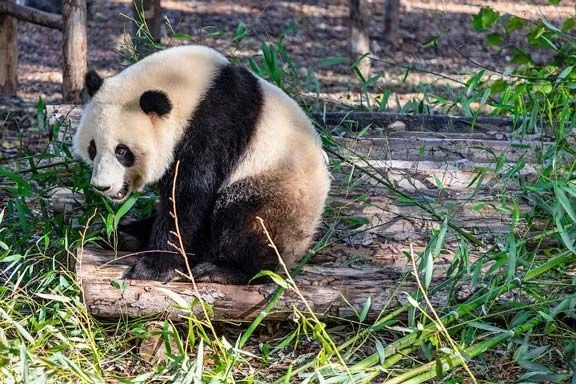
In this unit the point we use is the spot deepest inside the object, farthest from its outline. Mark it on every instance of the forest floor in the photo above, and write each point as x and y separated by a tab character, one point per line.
321	32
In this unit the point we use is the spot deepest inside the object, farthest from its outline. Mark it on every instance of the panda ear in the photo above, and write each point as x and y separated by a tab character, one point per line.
156	102
92	82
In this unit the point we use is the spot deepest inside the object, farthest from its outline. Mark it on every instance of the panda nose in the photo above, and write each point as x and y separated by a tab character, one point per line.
101	188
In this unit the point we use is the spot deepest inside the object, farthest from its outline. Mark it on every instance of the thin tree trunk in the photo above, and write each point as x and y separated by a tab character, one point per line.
359	34
8	56
391	20
75	47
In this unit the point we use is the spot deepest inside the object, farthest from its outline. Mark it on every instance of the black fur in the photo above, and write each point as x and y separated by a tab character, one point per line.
156	102
92	150
92	82
239	247
125	155
217	137
139	229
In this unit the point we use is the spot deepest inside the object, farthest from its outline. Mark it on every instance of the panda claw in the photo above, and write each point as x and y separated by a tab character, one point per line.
211	273
152	267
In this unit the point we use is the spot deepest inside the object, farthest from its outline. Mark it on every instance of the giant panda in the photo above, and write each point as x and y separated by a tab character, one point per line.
245	151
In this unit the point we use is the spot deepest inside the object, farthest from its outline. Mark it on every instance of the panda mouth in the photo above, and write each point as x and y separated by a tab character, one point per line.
121	194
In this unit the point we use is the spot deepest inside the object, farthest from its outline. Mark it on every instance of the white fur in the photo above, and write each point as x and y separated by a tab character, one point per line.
285	139
286	142
114	116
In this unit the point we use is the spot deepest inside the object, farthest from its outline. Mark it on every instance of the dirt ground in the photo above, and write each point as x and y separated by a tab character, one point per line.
322	31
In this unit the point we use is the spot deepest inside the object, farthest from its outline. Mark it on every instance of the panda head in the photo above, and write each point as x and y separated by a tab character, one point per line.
123	136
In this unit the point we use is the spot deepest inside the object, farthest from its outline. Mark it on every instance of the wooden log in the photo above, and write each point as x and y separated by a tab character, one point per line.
32	15
440	150
360	35
75	49
418	122
331	291
433	180
382	123
367	260
8	52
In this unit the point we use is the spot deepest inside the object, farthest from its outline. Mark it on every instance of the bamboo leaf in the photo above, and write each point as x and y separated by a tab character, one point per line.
276	278
564	202
123	210
365	309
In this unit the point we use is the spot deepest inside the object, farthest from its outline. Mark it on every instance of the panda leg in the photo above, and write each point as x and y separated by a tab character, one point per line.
239	247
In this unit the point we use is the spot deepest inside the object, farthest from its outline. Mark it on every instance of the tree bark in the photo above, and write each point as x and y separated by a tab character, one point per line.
150	13
75	48
392	20
8	54
31	15
360	35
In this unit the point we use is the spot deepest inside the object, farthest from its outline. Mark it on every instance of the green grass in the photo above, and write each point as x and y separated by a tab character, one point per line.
519	316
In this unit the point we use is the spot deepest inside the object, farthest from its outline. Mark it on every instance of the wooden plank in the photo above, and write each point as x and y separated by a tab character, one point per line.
330	291
383	123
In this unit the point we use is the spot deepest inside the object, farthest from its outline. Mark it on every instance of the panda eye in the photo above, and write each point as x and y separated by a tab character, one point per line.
92	150
124	155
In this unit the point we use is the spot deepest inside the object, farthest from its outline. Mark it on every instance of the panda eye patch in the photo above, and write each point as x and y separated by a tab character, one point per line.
92	150
124	155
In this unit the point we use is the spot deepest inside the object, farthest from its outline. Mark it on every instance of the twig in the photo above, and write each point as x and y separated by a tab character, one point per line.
182	251
457	349
295	288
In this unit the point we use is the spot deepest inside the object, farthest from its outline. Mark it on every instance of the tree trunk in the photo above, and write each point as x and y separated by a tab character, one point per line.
148	29
391	20
75	47
8	56
359	34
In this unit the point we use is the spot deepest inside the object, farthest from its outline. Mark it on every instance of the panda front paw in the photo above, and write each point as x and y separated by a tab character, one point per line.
211	273
155	266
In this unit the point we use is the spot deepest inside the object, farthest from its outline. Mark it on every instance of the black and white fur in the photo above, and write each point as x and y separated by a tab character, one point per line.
245	150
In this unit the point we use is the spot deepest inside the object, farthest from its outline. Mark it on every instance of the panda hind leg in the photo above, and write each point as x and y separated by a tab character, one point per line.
239	247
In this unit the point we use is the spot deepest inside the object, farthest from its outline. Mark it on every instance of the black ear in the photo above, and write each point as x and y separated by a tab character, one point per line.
156	102
93	82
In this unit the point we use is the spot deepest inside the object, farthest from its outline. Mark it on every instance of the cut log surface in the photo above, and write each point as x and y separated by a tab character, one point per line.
469	172
336	292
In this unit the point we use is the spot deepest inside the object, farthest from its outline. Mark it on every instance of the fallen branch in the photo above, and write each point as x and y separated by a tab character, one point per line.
35	16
